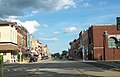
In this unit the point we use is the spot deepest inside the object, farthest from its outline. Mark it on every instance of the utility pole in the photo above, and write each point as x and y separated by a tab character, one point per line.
21	46
20	53
105	34
83	52
1	65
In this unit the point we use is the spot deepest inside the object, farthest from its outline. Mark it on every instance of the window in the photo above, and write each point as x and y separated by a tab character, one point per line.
11	35
112	42
4	53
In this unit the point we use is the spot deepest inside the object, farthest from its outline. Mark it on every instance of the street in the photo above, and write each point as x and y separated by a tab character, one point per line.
62	68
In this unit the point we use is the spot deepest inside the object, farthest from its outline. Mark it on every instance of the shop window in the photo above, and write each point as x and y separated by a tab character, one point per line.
4	53
112	42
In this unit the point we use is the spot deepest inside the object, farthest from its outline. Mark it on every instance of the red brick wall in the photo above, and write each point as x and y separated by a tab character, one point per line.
98	42
98	54
113	54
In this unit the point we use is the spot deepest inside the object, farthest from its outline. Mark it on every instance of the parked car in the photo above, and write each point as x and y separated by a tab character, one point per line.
60	57
46	57
70	58
33	59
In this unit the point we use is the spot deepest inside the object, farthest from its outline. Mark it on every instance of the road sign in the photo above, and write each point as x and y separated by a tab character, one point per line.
1	65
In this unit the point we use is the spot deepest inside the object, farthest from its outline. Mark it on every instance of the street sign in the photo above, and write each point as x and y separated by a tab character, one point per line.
1	65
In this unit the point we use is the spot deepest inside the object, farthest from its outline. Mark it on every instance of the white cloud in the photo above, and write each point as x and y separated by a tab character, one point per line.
86	5
49	39
28	14
31	26
102	2
71	29
18	7
45	25
56	33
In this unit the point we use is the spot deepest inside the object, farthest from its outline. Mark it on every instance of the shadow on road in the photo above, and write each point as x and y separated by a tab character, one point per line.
100	65
54	74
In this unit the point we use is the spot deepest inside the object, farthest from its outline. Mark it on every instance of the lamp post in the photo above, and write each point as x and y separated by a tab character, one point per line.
20	53
21	46
104	44
83	51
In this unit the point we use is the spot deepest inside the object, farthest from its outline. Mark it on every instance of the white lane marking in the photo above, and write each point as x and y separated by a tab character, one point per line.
32	70
47	69
8	70
14	69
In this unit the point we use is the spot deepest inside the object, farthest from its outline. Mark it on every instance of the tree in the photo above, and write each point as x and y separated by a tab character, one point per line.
118	43
56	55
64	53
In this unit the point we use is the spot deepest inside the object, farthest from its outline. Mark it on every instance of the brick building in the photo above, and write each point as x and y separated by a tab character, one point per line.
102	42
22	42
74	48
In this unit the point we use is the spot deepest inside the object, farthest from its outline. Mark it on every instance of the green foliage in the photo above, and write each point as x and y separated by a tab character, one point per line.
64	53
118	43
18	56
56	55
0	57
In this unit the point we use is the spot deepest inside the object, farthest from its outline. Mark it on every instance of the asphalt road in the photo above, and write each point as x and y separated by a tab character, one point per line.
61	69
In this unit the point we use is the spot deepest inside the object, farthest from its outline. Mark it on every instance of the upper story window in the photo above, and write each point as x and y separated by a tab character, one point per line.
112	42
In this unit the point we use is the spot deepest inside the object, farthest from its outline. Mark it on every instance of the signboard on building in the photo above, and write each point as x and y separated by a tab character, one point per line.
28	40
118	23
1	65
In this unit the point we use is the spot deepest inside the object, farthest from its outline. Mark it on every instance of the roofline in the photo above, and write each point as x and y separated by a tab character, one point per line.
103	24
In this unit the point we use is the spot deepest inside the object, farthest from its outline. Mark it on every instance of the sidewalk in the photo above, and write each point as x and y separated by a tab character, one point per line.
104	73
112	72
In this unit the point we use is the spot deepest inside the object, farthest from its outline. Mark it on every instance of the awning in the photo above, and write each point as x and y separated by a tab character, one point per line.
9	46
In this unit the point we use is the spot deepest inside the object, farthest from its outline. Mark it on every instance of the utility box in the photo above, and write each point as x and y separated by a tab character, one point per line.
1	65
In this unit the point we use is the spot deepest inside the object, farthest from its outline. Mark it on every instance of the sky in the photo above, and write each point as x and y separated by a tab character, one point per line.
58	22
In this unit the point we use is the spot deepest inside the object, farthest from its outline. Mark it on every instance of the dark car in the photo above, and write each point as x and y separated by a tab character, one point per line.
33	59
60	57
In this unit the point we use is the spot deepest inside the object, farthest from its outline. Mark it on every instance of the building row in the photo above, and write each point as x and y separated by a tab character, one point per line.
16	44
99	42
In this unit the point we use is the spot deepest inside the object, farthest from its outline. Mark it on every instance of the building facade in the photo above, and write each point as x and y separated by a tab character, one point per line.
102	42
8	41
22	42
83	35
74	49
99	42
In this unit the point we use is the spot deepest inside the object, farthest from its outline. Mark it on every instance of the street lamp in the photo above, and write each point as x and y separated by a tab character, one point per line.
104	44
20	53
21	46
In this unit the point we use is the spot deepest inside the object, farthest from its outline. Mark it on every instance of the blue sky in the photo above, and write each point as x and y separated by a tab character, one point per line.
58	22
